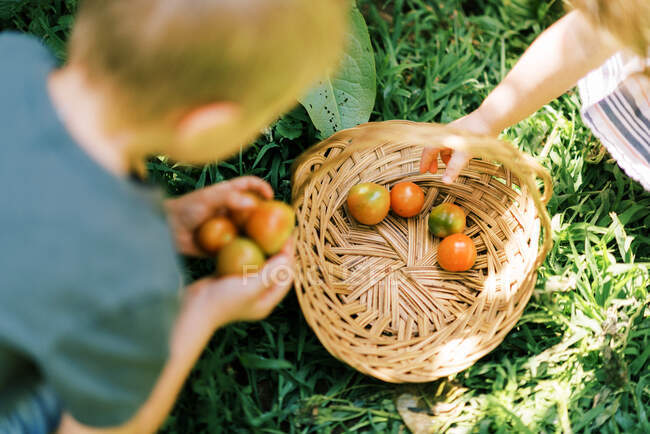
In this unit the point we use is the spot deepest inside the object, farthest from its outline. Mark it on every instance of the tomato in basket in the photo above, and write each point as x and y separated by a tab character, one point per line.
445	156
446	219
368	203
406	199
456	253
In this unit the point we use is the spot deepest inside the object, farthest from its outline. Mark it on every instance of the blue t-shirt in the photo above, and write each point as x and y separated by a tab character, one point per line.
89	278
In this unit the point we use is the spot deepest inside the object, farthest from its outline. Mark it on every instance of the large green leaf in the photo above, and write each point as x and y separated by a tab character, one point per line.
346	98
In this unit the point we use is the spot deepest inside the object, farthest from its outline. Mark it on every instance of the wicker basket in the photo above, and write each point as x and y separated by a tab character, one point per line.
375	295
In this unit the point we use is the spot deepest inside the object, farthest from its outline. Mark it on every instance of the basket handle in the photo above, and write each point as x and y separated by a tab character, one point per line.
541	199
540	172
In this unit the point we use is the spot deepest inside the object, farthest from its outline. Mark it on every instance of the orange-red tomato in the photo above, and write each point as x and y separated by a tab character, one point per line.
240	256
445	156
240	217
215	233
406	199
456	253
368	203
270	225
446	219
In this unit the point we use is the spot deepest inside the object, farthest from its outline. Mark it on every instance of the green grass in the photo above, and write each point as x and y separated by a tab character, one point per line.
578	360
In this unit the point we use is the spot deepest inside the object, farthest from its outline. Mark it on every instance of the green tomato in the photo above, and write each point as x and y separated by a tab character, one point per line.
368	203
241	256
446	219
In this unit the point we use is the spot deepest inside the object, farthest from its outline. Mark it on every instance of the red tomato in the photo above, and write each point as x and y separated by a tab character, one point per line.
445	156
240	256
406	199
240	218
446	219
215	233
368	203
270	225
456	253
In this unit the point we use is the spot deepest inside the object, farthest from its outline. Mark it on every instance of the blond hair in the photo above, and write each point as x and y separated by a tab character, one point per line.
160	59
628	21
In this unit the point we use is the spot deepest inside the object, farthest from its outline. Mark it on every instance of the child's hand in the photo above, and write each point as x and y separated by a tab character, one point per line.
472	123
188	212
245	298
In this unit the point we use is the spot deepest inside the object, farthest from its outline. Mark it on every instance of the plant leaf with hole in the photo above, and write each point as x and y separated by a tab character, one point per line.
346	98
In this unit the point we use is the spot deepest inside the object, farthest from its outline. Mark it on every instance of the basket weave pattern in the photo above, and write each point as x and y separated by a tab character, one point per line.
374	295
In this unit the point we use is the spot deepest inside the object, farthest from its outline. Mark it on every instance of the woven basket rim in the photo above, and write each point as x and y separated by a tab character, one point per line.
524	168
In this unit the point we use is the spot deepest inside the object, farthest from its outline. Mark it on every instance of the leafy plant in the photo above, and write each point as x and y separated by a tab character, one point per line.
346	98
51	21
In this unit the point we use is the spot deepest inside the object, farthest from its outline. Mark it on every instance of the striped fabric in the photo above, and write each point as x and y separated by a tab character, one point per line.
37	411
616	106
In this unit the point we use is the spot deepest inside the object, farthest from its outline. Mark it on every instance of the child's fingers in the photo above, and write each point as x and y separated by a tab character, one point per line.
280	277
266	288
254	184
278	267
275	270
237	200
274	295
228	193
429	160
289	247
457	163
279	270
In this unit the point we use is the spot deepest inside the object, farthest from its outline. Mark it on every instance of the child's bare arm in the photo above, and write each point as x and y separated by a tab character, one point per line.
556	60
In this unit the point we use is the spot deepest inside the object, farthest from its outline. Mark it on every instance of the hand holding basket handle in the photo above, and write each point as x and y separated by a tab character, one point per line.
458	160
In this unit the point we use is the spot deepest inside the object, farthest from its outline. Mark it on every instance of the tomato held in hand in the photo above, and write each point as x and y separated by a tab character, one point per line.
456	253
240	256
215	233
368	203
406	199
446	219
270	225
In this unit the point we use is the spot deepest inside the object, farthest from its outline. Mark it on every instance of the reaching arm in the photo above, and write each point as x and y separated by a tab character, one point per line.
556	60
554	63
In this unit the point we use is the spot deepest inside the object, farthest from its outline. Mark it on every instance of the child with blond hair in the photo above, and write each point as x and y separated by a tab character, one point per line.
603	47
97	330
